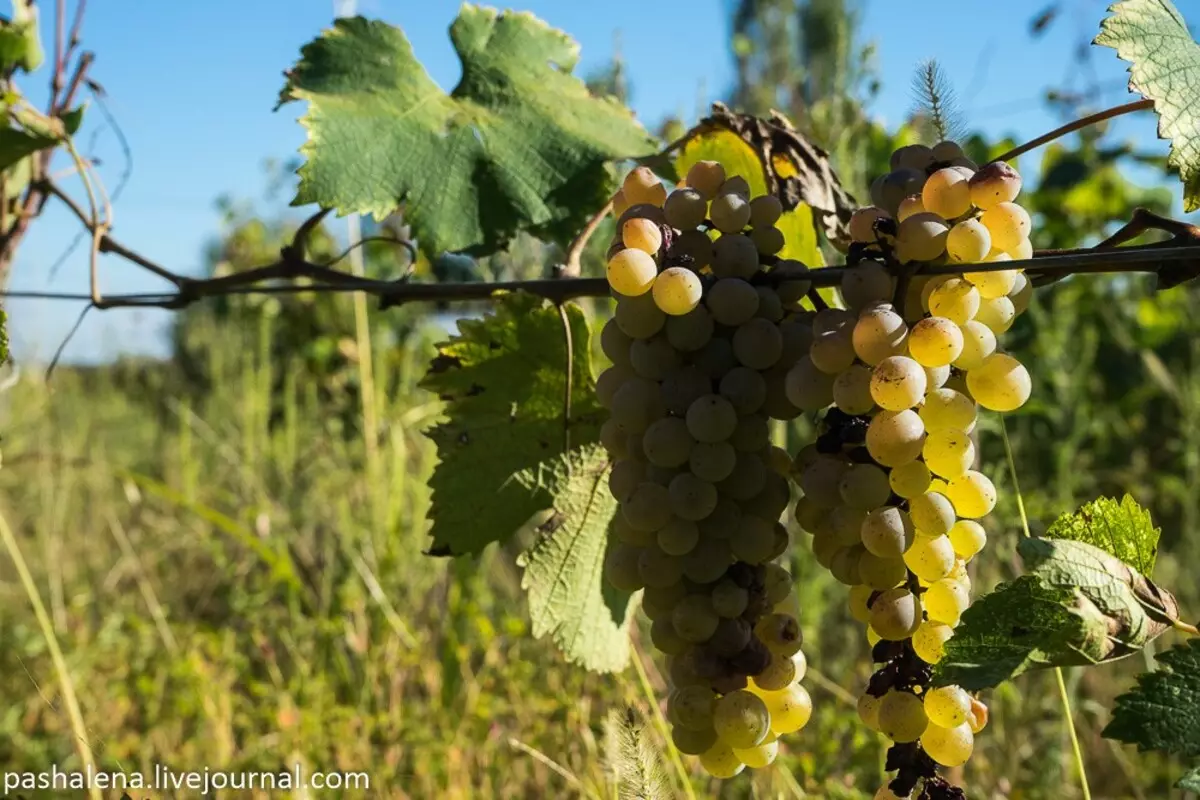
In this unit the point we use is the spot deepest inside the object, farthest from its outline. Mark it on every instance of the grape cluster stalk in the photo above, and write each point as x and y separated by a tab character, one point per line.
707	326
890	493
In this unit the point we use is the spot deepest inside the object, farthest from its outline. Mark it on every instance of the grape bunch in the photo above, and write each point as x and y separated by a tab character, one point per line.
707	325
890	493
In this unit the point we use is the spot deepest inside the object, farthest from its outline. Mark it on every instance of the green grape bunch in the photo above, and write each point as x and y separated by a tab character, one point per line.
706	328
891	493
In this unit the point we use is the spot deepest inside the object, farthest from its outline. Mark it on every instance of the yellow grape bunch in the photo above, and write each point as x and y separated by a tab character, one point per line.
892	493
707	325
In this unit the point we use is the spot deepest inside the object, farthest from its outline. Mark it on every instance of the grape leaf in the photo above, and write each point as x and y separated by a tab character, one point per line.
1021	625
20	42
503	379
1164	67
518	145
1163	711
568	598
1122	529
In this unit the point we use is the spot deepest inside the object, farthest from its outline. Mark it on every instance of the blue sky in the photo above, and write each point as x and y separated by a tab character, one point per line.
192	85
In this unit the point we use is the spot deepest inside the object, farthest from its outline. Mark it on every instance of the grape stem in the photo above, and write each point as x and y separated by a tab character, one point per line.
1071	127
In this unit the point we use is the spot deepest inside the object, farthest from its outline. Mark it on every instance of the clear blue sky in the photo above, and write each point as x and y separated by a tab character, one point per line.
193	84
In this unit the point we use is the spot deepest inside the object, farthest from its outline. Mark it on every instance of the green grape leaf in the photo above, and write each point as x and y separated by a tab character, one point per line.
1164	66
1122	529
519	144
504	379
1021	625
1163	711
1136	609
568	597
1190	782
16	143
20	41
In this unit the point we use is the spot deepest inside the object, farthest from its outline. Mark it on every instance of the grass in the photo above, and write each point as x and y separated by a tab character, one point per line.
235	580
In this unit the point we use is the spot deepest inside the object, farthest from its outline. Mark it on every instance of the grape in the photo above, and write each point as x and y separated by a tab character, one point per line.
807	387
636	404
734	256
946	409
928	287
708	560
979	716
868	710
723	520
887	532
936	377
685	208
706	178
946	151
658	568
683	387
947	706
945	600
625	476
614	343
910	480
752	433
653	358
950	747
728	599
744	388
768	241
642	234
864	486
910	206
831	319
832	351
1023	250
765	211
896	614
641	185
691	498
947	193
895	437
780	673
631	272
692	707
619	204
711	418
897	383
648	507
630	535
712	461
715	358
762	755
862	223
621	567
731	637
968	538
1008	223
932	514
902	716
860	594
747	479
758	343
780	633
844	565
921	237
821	478
771	501
895	186
852	390
878	334
792	282
729	212
741	719
993	284
808	514
678	537
881	573
797	337
956	299
665	639
789	709
1021	294
769	305
677	291
930	558
935	342
694	245
691	331
845	524
694	618
968	242
997	314
614	438
639	317
972	494
978	343
912	156
732	301
1000	383
609	381
929	642
866	283
691	742
721	762
736	184
754	540
948	453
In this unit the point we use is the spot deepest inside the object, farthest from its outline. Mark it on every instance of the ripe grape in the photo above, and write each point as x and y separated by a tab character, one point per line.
757	343
706	178
721	762
832	351
902	716
896	614
730	213
653	358
921	237
732	301
665	639
864	486
639	317
688	332
968	538
887	532
858	596
641	185
621	567
762	755
910	480
754	540
993	184
736	184
707	561
868	282
862	223
932	513
685	208
658	568
636	404
968	242
868	710
955	299
781	672
609	381
895	437
715	358
632	272
770	307
935	342
677	291
929	642
948	453
946	151
993	284
712	461
1021	294
972	493
947	193
694	618
979	716
1008	223
751	434
913	156
765	211
979	342
946	600
642	234
711	418
734	255
1022	252
998	313
691	497
614	343
910	206
768	241
694	245
897	383
1000	383
780	633
682	387
678	537
741	719
930	558
878	333
852	390
790	709
950	747
947	706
